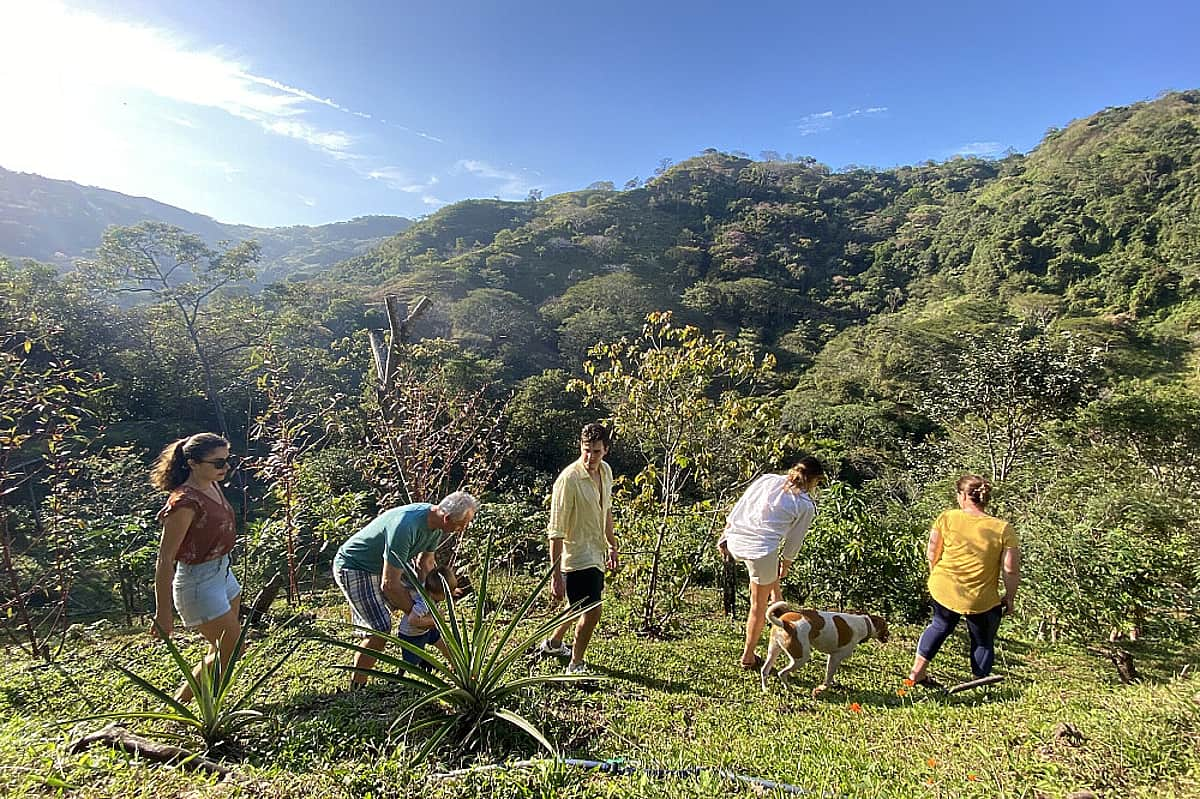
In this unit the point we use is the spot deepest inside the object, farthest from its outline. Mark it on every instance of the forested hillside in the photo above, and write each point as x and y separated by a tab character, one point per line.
1033	319
1097	221
57	221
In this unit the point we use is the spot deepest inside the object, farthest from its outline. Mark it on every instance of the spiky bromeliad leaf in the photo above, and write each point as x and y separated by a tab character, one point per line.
475	683
218	713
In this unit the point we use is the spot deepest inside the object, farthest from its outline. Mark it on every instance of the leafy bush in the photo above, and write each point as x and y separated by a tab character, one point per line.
512	534
857	556
1111	558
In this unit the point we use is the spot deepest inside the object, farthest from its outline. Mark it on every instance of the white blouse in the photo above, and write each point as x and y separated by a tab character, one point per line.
768	517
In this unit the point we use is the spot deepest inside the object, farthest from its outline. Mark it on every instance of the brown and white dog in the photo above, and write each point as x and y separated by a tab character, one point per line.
799	632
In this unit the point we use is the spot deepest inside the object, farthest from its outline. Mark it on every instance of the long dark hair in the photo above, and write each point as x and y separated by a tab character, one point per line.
171	470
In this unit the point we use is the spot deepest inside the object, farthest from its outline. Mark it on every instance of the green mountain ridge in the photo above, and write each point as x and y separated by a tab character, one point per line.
1101	219
57	221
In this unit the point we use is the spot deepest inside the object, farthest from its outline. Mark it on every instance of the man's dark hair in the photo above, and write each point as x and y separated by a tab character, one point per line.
595	433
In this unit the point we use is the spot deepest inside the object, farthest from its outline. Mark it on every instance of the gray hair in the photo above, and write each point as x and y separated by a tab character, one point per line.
456	505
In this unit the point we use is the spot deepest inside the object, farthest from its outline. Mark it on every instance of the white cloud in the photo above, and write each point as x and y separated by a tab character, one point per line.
825	120
54	54
311	202
334	143
397	178
430	200
512	184
422	134
984	149
483	169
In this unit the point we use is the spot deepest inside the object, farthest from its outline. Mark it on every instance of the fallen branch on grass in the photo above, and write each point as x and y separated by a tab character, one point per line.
121	739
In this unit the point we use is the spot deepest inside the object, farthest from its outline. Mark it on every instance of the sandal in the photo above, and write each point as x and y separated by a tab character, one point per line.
755	666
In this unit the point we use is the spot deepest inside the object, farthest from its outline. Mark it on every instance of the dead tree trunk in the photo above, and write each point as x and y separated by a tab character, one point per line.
262	603
1121	659
387	361
729	586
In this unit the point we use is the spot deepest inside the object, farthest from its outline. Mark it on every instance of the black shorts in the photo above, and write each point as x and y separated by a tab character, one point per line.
584	586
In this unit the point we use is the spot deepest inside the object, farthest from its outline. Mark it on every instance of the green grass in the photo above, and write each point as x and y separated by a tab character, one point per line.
670	704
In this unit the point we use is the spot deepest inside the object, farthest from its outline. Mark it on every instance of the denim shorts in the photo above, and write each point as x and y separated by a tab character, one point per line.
204	591
427	638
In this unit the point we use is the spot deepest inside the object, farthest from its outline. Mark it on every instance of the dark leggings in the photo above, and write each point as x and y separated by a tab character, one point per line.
981	626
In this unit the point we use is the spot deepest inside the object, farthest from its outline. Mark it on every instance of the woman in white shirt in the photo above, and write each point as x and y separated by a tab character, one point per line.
765	530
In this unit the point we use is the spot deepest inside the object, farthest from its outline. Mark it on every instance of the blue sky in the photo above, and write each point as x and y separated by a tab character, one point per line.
273	113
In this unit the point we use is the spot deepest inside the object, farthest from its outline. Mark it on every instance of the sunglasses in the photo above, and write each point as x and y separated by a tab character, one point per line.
221	463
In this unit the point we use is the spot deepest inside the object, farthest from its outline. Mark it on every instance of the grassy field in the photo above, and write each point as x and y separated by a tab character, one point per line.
668	704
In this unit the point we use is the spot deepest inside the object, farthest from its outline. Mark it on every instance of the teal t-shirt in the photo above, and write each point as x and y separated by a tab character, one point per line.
398	534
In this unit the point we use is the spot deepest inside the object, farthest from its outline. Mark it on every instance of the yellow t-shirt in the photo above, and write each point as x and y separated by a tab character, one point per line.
964	578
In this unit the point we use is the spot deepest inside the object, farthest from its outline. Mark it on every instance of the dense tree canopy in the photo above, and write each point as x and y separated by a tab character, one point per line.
1034	318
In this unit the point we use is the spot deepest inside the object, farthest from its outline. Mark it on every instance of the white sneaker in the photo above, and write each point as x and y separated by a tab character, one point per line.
580	669
549	649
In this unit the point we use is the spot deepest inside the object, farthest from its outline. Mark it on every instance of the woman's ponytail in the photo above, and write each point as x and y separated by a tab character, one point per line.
975	488
170	469
804	472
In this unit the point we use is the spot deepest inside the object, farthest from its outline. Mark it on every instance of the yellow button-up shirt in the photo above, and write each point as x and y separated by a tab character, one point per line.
579	515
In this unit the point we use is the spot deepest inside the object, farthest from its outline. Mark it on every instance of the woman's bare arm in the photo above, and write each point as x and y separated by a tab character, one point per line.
175	527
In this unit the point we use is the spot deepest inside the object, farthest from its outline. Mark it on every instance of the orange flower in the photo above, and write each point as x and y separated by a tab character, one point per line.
929	781
931	762
909	683
855	707
901	691
972	777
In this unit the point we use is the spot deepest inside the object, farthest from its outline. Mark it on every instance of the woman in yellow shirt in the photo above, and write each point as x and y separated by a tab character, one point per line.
968	550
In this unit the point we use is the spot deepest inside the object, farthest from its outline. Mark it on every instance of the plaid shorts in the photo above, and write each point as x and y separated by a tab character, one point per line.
368	606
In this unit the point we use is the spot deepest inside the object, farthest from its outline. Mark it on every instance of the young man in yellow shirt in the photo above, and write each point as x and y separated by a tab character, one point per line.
582	544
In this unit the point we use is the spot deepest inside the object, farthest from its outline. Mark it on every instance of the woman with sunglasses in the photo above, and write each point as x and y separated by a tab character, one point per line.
193	574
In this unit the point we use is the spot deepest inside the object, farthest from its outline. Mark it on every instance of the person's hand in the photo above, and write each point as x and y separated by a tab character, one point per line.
1006	605
163	626
558	588
612	562
784	566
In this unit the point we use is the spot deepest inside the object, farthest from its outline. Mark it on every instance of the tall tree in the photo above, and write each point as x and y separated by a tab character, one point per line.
995	391
686	402
178	269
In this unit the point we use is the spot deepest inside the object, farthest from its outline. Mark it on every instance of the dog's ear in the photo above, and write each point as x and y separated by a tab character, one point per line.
881	628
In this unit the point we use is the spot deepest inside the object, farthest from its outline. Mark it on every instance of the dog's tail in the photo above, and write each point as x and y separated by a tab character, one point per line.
776	610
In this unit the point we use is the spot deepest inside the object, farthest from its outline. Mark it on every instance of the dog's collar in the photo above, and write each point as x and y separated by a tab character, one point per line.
870	627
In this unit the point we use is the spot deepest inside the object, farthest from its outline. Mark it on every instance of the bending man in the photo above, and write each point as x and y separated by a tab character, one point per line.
369	567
